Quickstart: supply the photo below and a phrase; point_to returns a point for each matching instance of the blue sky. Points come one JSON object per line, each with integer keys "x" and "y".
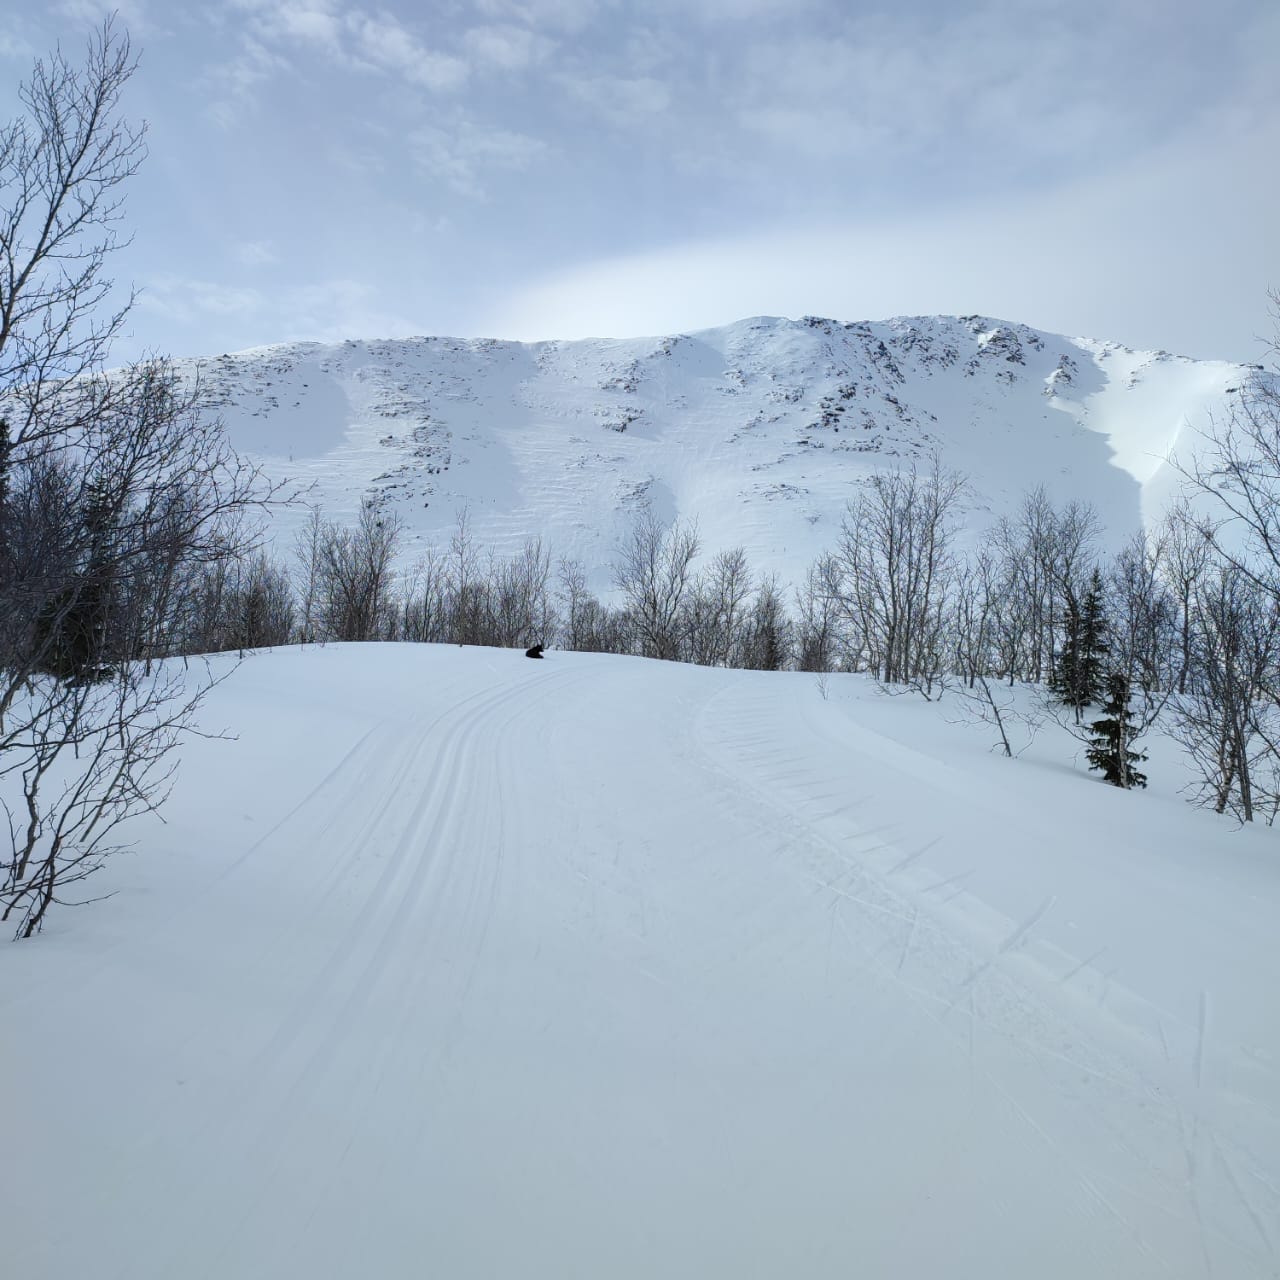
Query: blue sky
{"x": 557, "y": 168}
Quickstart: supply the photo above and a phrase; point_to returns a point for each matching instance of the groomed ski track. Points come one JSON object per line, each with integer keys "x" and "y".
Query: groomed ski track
{"x": 461, "y": 965}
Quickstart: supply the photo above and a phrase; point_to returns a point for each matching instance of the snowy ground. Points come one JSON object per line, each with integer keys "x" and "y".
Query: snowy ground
{"x": 461, "y": 965}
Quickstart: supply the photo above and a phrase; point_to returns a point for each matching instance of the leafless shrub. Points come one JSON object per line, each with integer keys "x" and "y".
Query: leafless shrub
{"x": 117, "y": 500}
{"x": 77, "y": 761}
{"x": 654, "y": 573}
{"x": 891, "y": 571}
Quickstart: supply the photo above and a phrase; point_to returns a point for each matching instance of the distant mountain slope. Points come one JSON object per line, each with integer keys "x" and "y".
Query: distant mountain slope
{"x": 760, "y": 430}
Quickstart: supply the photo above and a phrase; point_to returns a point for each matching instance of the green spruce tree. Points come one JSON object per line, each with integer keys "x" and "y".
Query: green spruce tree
{"x": 6, "y": 456}
{"x": 74, "y": 628}
{"x": 1109, "y": 749}
{"x": 6, "y": 453}
{"x": 1077, "y": 677}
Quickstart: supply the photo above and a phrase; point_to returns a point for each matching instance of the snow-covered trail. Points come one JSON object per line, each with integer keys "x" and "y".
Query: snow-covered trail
{"x": 462, "y": 965}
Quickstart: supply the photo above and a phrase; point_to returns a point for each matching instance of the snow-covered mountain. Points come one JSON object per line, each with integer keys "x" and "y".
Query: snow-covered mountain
{"x": 760, "y": 430}
{"x": 451, "y": 963}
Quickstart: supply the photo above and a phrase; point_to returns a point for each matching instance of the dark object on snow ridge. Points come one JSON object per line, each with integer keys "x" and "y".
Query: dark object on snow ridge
{"x": 535, "y": 652}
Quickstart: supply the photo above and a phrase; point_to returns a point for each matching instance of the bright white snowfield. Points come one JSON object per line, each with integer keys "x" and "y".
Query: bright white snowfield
{"x": 461, "y": 965}
{"x": 760, "y": 431}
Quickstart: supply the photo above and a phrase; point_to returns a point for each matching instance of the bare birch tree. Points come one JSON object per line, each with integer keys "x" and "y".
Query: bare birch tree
{"x": 892, "y": 570}
{"x": 654, "y": 573}
{"x": 117, "y": 496}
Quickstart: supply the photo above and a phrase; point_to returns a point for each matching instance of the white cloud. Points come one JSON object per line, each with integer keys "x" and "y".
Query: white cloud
{"x": 184, "y": 300}
{"x": 302, "y": 22}
{"x": 1174, "y": 253}
{"x": 1255, "y": 97}
{"x": 719, "y": 12}
{"x": 655, "y": 51}
{"x": 1002, "y": 78}
{"x": 338, "y": 308}
{"x": 461, "y": 152}
{"x": 14, "y": 46}
{"x": 619, "y": 99}
{"x": 255, "y": 253}
{"x": 823, "y": 131}
{"x": 240, "y": 317}
{"x": 353, "y": 38}
{"x": 315, "y": 22}
{"x": 560, "y": 15}
{"x": 927, "y": 129}
{"x": 233, "y": 84}
{"x": 509, "y": 48}
{"x": 840, "y": 96}
{"x": 389, "y": 45}
{"x": 132, "y": 14}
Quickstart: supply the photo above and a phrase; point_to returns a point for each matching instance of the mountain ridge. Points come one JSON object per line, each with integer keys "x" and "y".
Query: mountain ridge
{"x": 760, "y": 429}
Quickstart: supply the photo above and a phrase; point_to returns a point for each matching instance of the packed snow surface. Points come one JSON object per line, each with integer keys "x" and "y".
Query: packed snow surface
{"x": 460, "y": 965}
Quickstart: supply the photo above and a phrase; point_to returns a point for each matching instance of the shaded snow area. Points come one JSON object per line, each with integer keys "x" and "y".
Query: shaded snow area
{"x": 460, "y": 965}
{"x": 760, "y": 430}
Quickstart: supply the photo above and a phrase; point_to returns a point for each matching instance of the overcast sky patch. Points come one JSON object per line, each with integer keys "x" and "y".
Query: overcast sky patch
{"x": 554, "y": 166}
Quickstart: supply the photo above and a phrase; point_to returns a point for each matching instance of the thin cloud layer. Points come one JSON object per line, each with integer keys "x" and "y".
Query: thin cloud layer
{"x": 504, "y": 165}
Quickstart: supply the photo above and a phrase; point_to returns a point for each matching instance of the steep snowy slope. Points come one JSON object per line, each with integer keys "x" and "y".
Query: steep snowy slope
{"x": 465, "y": 966}
{"x": 760, "y": 429}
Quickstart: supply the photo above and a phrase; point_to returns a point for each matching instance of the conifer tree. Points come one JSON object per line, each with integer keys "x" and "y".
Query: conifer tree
{"x": 73, "y": 630}
{"x": 6, "y": 454}
{"x": 1110, "y": 751}
{"x": 1077, "y": 679}
{"x": 6, "y": 449}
